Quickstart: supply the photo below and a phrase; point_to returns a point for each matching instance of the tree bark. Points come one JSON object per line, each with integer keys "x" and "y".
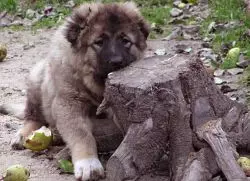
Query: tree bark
{"x": 225, "y": 153}
{"x": 160, "y": 103}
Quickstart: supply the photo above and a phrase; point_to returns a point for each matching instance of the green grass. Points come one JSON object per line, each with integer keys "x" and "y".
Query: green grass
{"x": 228, "y": 63}
{"x": 155, "y": 11}
{"x": 40, "y": 4}
{"x": 8, "y": 5}
{"x": 158, "y": 15}
{"x": 224, "y": 11}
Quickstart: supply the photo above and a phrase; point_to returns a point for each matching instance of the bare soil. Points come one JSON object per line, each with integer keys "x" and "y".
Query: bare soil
{"x": 24, "y": 50}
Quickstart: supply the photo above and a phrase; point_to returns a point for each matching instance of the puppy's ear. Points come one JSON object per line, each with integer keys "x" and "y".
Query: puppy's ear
{"x": 144, "y": 27}
{"x": 77, "y": 23}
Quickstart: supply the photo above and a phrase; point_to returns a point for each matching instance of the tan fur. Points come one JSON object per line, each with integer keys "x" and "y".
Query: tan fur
{"x": 62, "y": 88}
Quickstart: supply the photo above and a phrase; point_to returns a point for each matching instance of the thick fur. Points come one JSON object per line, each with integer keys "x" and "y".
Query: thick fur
{"x": 65, "y": 88}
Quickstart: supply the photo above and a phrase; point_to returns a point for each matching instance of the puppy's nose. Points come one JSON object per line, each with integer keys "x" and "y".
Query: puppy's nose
{"x": 116, "y": 61}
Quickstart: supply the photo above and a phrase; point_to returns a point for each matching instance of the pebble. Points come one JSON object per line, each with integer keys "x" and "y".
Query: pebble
{"x": 70, "y": 4}
{"x": 28, "y": 46}
{"x": 218, "y": 81}
{"x": 207, "y": 53}
{"x": 176, "y": 12}
{"x": 211, "y": 27}
{"x": 30, "y": 14}
{"x": 243, "y": 63}
{"x": 226, "y": 88}
{"x": 160, "y": 51}
{"x": 219, "y": 72}
{"x": 177, "y": 32}
{"x": 235, "y": 71}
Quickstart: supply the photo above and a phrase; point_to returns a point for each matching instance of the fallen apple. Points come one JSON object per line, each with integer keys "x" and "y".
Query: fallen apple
{"x": 233, "y": 53}
{"x": 3, "y": 52}
{"x": 181, "y": 5}
{"x": 39, "y": 140}
{"x": 16, "y": 173}
{"x": 231, "y": 58}
{"x": 244, "y": 163}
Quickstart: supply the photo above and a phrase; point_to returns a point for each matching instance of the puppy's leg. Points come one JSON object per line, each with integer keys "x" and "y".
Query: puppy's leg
{"x": 34, "y": 118}
{"x": 33, "y": 113}
{"x": 75, "y": 127}
{"x": 26, "y": 130}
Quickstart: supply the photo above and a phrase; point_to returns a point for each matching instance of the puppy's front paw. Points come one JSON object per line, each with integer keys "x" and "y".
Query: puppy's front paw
{"x": 88, "y": 169}
{"x": 17, "y": 142}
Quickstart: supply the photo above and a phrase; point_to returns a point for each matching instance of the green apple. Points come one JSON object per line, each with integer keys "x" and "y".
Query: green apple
{"x": 233, "y": 54}
{"x": 39, "y": 140}
{"x": 16, "y": 173}
{"x": 3, "y": 52}
{"x": 181, "y": 5}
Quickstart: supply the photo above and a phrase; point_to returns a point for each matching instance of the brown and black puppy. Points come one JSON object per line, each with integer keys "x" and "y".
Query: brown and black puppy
{"x": 62, "y": 89}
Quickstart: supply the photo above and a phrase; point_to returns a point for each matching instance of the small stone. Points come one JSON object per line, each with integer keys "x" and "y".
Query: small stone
{"x": 5, "y": 20}
{"x": 218, "y": 81}
{"x": 160, "y": 51}
{"x": 232, "y": 24}
{"x": 226, "y": 88}
{"x": 187, "y": 36}
{"x": 30, "y": 14}
{"x": 219, "y": 72}
{"x": 17, "y": 23}
{"x": 176, "y": 12}
{"x": 207, "y": 53}
{"x": 235, "y": 71}
{"x": 243, "y": 63}
{"x": 211, "y": 27}
{"x": 208, "y": 39}
{"x": 70, "y": 4}
{"x": 23, "y": 92}
{"x": 174, "y": 34}
{"x": 188, "y": 50}
{"x": 234, "y": 98}
{"x": 28, "y": 46}
{"x": 191, "y": 29}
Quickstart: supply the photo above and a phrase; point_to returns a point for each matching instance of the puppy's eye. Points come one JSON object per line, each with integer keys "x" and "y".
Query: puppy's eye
{"x": 99, "y": 42}
{"x": 126, "y": 42}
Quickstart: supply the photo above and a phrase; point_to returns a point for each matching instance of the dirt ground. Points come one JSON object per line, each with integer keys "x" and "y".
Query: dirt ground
{"x": 24, "y": 50}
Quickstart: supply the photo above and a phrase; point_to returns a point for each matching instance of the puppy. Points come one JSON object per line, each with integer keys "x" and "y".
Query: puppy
{"x": 64, "y": 88}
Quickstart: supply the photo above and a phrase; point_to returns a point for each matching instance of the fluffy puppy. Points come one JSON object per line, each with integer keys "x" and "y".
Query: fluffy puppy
{"x": 64, "y": 88}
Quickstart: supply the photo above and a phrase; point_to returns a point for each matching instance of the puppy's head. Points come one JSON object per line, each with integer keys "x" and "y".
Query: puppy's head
{"x": 109, "y": 36}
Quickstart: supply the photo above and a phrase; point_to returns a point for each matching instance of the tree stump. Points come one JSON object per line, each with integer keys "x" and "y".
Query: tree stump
{"x": 163, "y": 105}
